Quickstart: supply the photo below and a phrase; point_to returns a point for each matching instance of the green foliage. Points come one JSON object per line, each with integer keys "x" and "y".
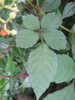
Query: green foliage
{"x": 26, "y": 38}
{"x": 4, "y": 86}
{"x": 31, "y": 22}
{"x": 44, "y": 60}
{"x": 51, "y": 21}
{"x": 55, "y": 39}
{"x": 41, "y": 2}
{"x": 25, "y": 83}
{"x": 73, "y": 51}
{"x": 3, "y": 43}
{"x": 69, "y": 10}
{"x": 67, "y": 93}
{"x": 65, "y": 71}
{"x": 2, "y": 64}
{"x": 72, "y": 36}
{"x": 51, "y": 5}
{"x": 10, "y": 70}
{"x": 43, "y": 52}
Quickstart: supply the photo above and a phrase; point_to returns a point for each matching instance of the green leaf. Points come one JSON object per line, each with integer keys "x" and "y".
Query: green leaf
{"x": 4, "y": 85}
{"x": 42, "y": 66}
{"x": 10, "y": 98}
{"x": 72, "y": 36}
{"x": 73, "y": 48}
{"x": 55, "y": 39}
{"x": 74, "y": 57}
{"x": 73, "y": 51}
{"x": 69, "y": 10}
{"x": 18, "y": 53}
{"x": 6, "y": 1}
{"x": 3, "y": 63}
{"x": 3, "y": 43}
{"x": 66, "y": 69}
{"x": 67, "y": 93}
{"x": 25, "y": 83}
{"x": 51, "y": 21}
{"x": 20, "y": 8}
{"x": 15, "y": 52}
{"x": 26, "y": 38}
{"x": 31, "y": 22}
{"x": 57, "y": 11}
{"x": 10, "y": 67}
{"x": 51, "y": 5}
{"x": 41, "y": 2}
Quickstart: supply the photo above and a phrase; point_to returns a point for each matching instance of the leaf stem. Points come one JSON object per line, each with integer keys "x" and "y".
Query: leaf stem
{"x": 45, "y": 14}
{"x": 27, "y": 8}
{"x": 67, "y": 29}
{"x": 35, "y": 7}
{"x": 31, "y": 5}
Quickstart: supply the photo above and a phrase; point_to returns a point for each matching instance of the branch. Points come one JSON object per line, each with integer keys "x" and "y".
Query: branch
{"x": 69, "y": 43}
{"x": 27, "y": 8}
{"x": 22, "y": 76}
{"x": 5, "y": 52}
{"x": 32, "y": 5}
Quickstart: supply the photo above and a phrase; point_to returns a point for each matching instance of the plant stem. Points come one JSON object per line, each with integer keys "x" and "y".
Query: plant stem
{"x": 45, "y": 14}
{"x": 67, "y": 29}
{"x": 21, "y": 76}
{"x": 34, "y": 7}
{"x": 31, "y": 5}
{"x": 5, "y": 52}
{"x": 2, "y": 20}
{"x": 27, "y": 8}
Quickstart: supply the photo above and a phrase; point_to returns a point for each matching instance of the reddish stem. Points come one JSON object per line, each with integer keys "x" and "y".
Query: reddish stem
{"x": 22, "y": 76}
{"x": 69, "y": 43}
{"x": 5, "y": 52}
{"x": 27, "y": 8}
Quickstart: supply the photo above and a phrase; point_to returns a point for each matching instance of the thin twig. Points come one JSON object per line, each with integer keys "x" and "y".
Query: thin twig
{"x": 6, "y": 77}
{"x": 69, "y": 43}
{"x": 5, "y": 52}
{"x": 27, "y": 8}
